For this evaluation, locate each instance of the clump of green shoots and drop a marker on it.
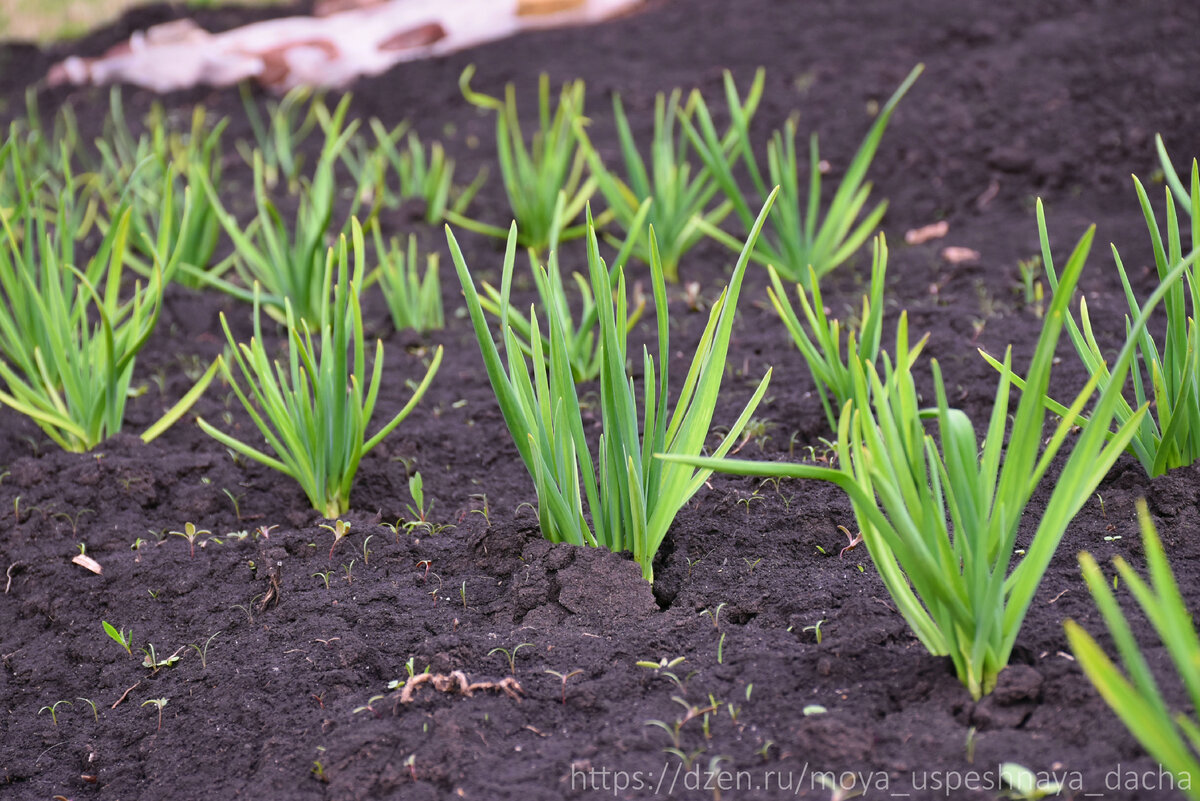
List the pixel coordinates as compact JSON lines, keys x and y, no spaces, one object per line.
{"x":423,"y":174}
{"x":797,"y":237}
{"x":315,"y":411}
{"x":286,"y":261}
{"x":822,"y":341}
{"x":1170,"y":437}
{"x":149,"y":174}
{"x":582,"y":339}
{"x":536,"y":173}
{"x":278,"y":139}
{"x":1131,"y":689}
{"x":940,"y":515}
{"x":680,"y":195}
{"x":69,"y":337}
{"x":632,"y":498}
{"x":415,"y":300}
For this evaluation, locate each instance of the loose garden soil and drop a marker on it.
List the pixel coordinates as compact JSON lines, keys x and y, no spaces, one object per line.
{"x":1058,"y":100}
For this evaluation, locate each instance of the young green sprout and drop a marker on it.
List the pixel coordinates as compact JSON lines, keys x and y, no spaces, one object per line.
{"x":511,"y":656}
{"x":564,"y":678}
{"x":160,"y":703}
{"x":191,"y":534}
{"x":92,"y":704}
{"x":53,"y":710}
{"x":202,"y":650}
{"x":154,"y":663}
{"x":340,"y":529}
{"x":122,"y":637}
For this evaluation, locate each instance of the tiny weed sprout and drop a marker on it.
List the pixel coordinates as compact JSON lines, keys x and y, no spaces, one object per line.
{"x":821,"y":340}
{"x":940,"y":516}
{"x":680,"y":195}
{"x":564,"y":678}
{"x":1024,"y":784}
{"x":797,"y":238}
{"x":714,"y":614}
{"x":154,"y":663}
{"x":122,"y":637}
{"x":1170,"y":436}
{"x":160,"y":703}
{"x":417,"y":509}
{"x":816,"y":630}
{"x":415,"y":300}
{"x":314,"y":411}
{"x":511,"y":656}
{"x":92,"y":704}
{"x":632,"y":498}
{"x":340,"y":529}
{"x":191,"y":534}
{"x":53,"y":710}
{"x":1170,"y":737}
{"x":202,"y":650}
{"x":534,"y":174}
{"x":324,"y":576}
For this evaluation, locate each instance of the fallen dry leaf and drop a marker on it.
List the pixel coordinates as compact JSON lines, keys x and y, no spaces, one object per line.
{"x":957,"y":255}
{"x":88,"y":563}
{"x":917,"y":236}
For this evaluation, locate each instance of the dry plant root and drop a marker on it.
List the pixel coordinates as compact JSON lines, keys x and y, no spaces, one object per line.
{"x":457,"y":682}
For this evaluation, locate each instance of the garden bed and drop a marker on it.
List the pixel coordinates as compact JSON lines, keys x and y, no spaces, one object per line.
{"x":1053,"y":100}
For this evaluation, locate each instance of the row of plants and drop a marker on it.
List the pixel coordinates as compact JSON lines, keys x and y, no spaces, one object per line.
{"x":939,"y":510}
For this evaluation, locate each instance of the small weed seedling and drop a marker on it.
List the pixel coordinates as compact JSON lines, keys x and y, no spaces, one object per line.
{"x":417,"y":509}
{"x":816,"y":630}
{"x":202,"y":650}
{"x":191,"y":534}
{"x":324,"y":576}
{"x":665,"y":668}
{"x":511,"y":656}
{"x":92,"y":704}
{"x":122,"y":637}
{"x":53,"y":710}
{"x":369,"y":706}
{"x":160,"y":703}
{"x":714,"y":614}
{"x":154,"y":663}
{"x":564,"y":678}
{"x":340,"y":529}
{"x":1024,"y":785}
{"x":483,"y":510}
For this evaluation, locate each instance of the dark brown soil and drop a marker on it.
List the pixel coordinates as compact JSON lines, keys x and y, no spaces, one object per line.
{"x":1053,"y":99}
